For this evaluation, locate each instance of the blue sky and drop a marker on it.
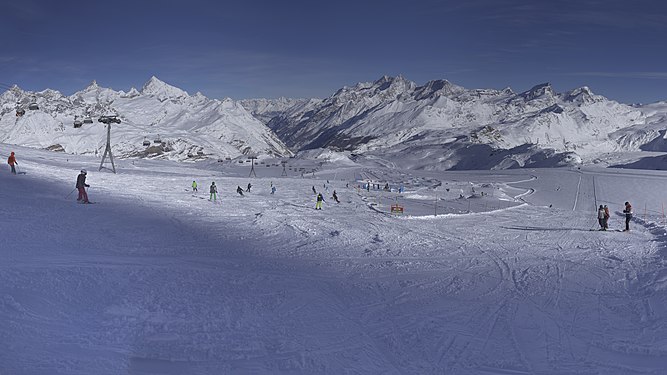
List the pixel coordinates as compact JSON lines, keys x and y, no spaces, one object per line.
{"x":257,"y":48}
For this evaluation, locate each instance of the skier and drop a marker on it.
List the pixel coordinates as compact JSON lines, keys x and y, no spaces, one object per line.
{"x":239,"y":190}
{"x":273,"y":189}
{"x":601,"y":217}
{"x":249,"y":186}
{"x":194,"y":186}
{"x":335,"y":197}
{"x":81,"y":186}
{"x":606,"y":217}
{"x":214,"y":192}
{"x":314,"y":191}
{"x":12,"y":161}
{"x":628,"y":215}
{"x":320,"y":199}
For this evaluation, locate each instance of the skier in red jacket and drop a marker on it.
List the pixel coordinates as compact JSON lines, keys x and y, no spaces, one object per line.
{"x":12,"y":161}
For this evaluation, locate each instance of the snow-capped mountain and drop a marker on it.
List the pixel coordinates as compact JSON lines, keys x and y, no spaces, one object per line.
{"x":266,"y":109}
{"x":160,"y":121}
{"x":451,"y":127}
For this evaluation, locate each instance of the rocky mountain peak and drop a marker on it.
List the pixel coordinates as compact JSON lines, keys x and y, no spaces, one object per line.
{"x":162,"y":90}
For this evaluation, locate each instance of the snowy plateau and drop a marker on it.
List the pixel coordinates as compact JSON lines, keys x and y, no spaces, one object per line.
{"x":461,"y":244}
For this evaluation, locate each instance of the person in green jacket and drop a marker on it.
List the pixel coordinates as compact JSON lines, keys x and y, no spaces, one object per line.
{"x":214,"y":192}
{"x":194,"y":186}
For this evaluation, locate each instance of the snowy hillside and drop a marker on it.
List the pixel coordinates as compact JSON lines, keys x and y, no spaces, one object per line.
{"x":457,"y":128}
{"x":266,"y":109}
{"x":484,"y":272}
{"x":174,"y":124}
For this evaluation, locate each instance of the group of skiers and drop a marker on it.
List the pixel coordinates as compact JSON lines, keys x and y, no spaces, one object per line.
{"x":603,"y":216}
{"x":603,"y":210}
{"x":213,"y":190}
{"x":320,"y":198}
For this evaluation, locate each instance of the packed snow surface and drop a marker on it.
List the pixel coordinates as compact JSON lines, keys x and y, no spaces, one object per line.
{"x":485,"y":272}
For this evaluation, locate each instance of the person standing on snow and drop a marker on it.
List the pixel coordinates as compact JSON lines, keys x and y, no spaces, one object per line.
{"x":335,"y":197}
{"x":314,"y":191}
{"x":628,"y":215}
{"x":273,"y":189}
{"x":194,"y":186}
{"x":214,"y":192}
{"x":81,"y":186}
{"x":606,"y":217}
{"x":249,"y":186}
{"x":320,"y":199}
{"x":601,"y":218}
{"x":239,"y":190}
{"x":12,"y":161}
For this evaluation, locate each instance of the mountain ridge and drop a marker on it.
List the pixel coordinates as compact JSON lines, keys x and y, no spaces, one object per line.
{"x":393,"y":116}
{"x":444,"y":125}
{"x":189,"y":127}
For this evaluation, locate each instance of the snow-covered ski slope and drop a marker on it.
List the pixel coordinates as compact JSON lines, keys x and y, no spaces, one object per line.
{"x":157,"y":280}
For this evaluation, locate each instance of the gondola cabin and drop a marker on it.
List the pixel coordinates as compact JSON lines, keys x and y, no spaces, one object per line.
{"x":146,"y":142}
{"x":20,"y":112}
{"x":87,"y":120}
{"x":33,"y":106}
{"x":78,"y":123}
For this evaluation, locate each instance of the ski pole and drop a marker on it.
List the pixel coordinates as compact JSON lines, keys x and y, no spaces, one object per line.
{"x":70,"y":193}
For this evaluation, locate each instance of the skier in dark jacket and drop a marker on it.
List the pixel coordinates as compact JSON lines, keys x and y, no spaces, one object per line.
{"x":214,"y":192}
{"x":628,"y":215}
{"x":335,"y":197}
{"x":314,"y":191}
{"x":320,"y":199}
{"x":81,"y":186}
{"x":239,"y":190}
{"x":249,"y":186}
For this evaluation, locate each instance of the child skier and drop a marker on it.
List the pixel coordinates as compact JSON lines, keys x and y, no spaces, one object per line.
{"x":194,"y":186}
